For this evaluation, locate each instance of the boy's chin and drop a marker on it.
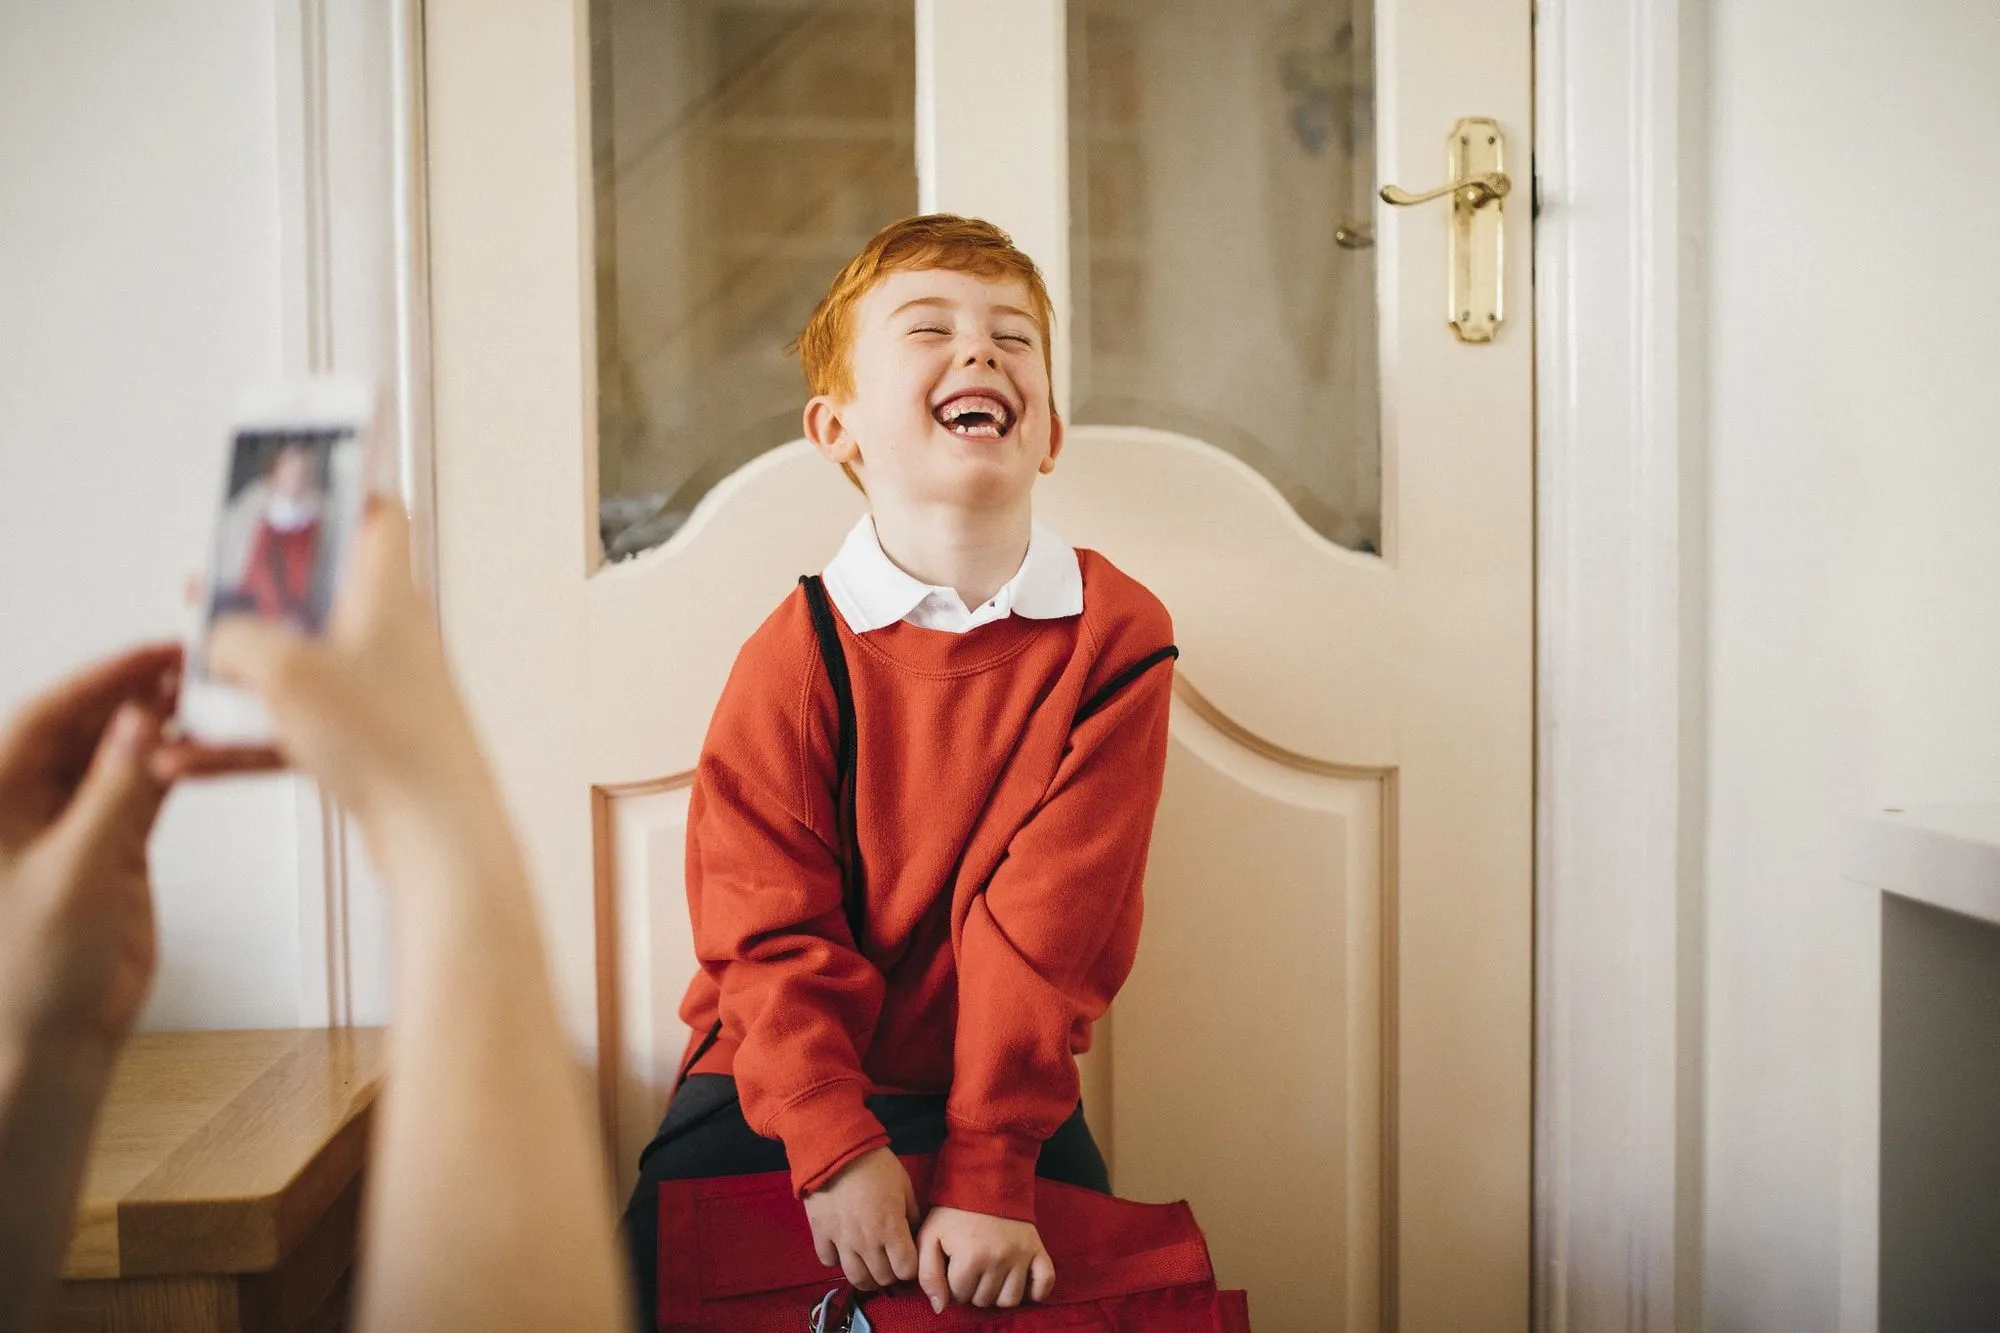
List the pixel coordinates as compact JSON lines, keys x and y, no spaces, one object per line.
{"x":981,"y":484}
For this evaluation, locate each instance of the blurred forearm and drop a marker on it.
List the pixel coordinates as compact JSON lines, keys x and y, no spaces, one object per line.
{"x":488,"y":1208}
{"x":50,"y":1093}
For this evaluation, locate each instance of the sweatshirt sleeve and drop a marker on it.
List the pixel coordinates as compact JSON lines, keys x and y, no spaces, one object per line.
{"x":1046,"y":947}
{"x":764,"y":891}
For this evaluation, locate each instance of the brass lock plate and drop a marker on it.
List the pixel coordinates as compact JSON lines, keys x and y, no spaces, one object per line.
{"x":1478,"y":232}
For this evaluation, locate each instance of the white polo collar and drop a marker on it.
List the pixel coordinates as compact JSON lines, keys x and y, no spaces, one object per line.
{"x":872,"y":592}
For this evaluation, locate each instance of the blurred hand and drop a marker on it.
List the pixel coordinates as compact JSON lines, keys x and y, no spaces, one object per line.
{"x":368,"y":708}
{"x":78,"y":800}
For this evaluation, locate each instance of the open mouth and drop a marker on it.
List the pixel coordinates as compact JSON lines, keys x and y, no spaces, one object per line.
{"x":975,"y":414}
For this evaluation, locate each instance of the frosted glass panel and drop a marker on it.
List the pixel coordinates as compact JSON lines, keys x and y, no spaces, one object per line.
{"x":742,"y":151}
{"x":1222,"y":216}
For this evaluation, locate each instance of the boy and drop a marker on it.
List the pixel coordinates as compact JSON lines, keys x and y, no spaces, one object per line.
{"x":271,"y":538}
{"x":1010,"y":703}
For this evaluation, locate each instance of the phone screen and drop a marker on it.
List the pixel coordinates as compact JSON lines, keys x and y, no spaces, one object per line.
{"x":295,"y":479}
{"x":288,"y":513}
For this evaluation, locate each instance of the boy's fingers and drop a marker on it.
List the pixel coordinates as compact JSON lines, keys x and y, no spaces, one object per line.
{"x":856,"y":1268}
{"x":1014,"y":1288}
{"x":931,"y":1272}
{"x":828,"y":1252}
{"x":880,"y":1267}
{"x":1042,"y":1277}
{"x":965,"y":1277}
{"x":119,"y":796}
{"x":988,"y":1289}
{"x":903,"y":1257}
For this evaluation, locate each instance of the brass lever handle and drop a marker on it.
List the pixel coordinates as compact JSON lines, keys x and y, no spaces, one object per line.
{"x":1474,"y":191}
{"x":1476,"y":166}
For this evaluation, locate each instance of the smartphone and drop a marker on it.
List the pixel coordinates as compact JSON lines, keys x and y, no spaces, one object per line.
{"x":294,"y":482}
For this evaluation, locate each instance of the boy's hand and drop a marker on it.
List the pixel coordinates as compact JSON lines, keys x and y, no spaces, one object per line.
{"x":862,"y":1220}
{"x":975,"y":1259}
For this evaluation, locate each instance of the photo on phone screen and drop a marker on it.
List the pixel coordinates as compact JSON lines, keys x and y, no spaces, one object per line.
{"x":294,"y":483}
{"x":292,"y":499}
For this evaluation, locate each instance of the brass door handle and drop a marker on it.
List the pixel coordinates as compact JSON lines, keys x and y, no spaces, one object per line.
{"x":1477,"y":169}
{"x":1474,"y":191}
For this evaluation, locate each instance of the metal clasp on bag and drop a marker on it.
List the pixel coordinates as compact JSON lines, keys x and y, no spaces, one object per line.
{"x":839,"y":1311}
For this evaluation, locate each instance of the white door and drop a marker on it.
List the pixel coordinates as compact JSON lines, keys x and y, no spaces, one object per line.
{"x":1326,"y":1042}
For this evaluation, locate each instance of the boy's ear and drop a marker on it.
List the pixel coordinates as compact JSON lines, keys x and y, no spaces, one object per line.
{"x":1055,"y":442}
{"x":828,"y":432}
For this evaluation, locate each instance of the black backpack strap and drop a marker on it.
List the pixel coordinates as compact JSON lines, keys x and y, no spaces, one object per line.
{"x":707,"y":1044}
{"x":1109,"y":690}
{"x":853,"y":882}
{"x":853,"y":885}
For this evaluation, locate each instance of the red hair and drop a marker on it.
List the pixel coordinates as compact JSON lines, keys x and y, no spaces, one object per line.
{"x":931,"y":241}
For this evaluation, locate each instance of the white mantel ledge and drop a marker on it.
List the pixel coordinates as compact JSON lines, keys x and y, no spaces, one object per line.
{"x":1944,"y":855}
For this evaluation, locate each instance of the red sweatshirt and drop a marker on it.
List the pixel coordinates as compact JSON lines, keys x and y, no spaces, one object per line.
{"x":1003,"y":848}
{"x":277,"y":578}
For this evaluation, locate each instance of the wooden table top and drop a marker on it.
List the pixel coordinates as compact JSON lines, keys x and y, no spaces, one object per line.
{"x":218,"y":1151}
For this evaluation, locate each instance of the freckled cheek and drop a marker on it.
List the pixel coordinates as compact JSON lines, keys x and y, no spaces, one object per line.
{"x":909,"y":417}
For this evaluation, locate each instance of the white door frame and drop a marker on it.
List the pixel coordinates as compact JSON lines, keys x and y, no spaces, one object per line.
{"x":1619,"y":147}
{"x":1618,"y":150}
{"x":355,"y":300}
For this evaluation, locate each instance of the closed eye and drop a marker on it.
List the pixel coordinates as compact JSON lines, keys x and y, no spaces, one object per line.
{"x":1020,"y":338}
{"x":929,"y":328}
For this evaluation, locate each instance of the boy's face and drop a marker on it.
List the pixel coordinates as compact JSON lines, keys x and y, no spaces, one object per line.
{"x":292,"y":472}
{"x":951,"y":403}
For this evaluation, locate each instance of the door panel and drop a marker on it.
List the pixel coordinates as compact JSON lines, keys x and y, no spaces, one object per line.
{"x":639,"y":839}
{"x":1247,"y":1048}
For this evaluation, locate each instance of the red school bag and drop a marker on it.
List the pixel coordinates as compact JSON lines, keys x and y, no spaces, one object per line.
{"x":736,"y":1256}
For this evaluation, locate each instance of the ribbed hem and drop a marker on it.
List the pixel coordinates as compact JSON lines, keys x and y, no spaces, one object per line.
{"x":826,"y":1129}
{"x":991,"y":1172}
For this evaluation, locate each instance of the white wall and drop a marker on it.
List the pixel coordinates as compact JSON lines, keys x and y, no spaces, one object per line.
{"x":139,"y":288}
{"x":1854,"y":542}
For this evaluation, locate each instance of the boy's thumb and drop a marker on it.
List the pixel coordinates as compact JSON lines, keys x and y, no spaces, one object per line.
{"x":118,"y":796}
{"x":931,"y":1275}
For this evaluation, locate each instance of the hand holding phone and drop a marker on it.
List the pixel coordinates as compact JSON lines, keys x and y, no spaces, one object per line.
{"x":294,"y":483}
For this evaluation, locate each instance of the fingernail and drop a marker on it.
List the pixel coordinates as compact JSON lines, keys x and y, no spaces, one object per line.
{"x":127,"y":728}
{"x":937,"y":1306}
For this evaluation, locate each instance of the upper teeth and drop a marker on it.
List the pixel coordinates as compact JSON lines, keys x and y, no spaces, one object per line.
{"x":959,"y":407}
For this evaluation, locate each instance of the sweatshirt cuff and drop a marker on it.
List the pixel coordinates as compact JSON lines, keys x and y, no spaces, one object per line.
{"x":825,"y":1129}
{"x":988,"y":1171}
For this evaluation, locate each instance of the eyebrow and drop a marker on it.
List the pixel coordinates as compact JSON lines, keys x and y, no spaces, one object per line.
{"x":940,"y":301}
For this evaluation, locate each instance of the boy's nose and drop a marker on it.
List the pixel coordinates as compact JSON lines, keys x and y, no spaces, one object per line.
{"x":974,"y":358}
